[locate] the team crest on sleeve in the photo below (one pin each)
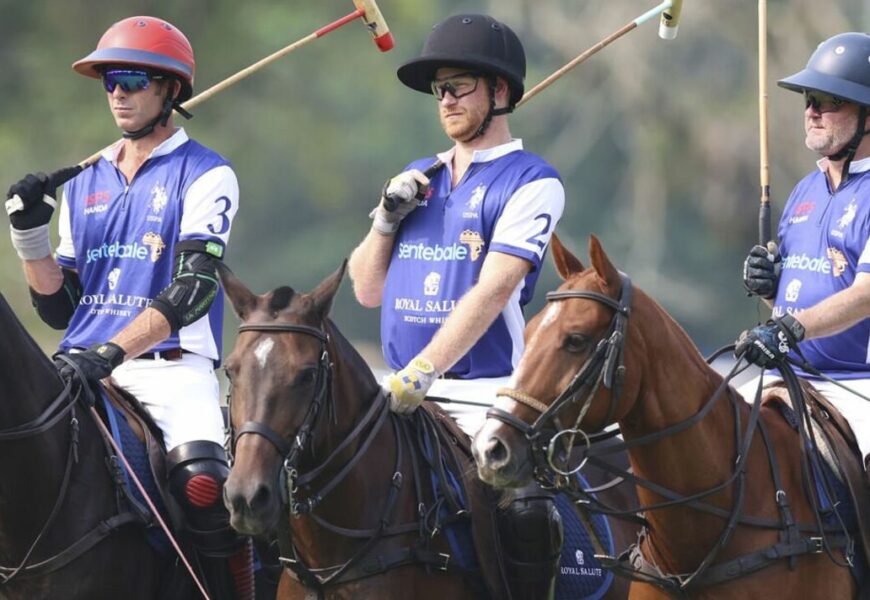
(474, 242)
(155, 242)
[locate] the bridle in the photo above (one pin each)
(292, 451)
(604, 366)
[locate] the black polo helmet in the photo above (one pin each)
(840, 66)
(476, 42)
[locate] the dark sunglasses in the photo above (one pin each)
(130, 80)
(822, 102)
(458, 85)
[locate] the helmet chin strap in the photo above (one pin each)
(493, 111)
(848, 151)
(169, 104)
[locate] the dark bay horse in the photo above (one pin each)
(602, 351)
(320, 460)
(61, 535)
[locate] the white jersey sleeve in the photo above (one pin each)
(210, 204)
(529, 218)
(66, 251)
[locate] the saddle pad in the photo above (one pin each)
(134, 451)
(581, 576)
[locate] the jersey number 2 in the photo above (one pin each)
(547, 219)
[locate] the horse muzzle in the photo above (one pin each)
(502, 456)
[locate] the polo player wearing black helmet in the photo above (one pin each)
(457, 258)
(818, 282)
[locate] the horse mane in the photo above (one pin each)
(19, 350)
(281, 298)
(351, 356)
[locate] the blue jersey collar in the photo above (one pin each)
(167, 146)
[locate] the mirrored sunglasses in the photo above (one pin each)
(130, 80)
(822, 102)
(458, 85)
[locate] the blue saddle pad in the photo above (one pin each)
(136, 455)
(581, 576)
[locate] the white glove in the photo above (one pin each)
(407, 388)
(401, 195)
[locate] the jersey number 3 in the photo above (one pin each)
(224, 224)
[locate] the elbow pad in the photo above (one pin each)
(194, 283)
(57, 309)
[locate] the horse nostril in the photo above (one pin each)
(261, 498)
(496, 453)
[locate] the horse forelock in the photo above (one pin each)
(281, 298)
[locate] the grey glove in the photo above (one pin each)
(401, 195)
(761, 271)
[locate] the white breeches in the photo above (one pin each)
(181, 395)
(855, 410)
(470, 418)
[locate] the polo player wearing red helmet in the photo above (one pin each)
(133, 281)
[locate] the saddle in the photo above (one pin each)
(147, 431)
(482, 500)
(840, 447)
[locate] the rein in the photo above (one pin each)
(606, 366)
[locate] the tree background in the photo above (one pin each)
(657, 141)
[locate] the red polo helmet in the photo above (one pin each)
(144, 42)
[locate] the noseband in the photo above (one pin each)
(292, 451)
(604, 366)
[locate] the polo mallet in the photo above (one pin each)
(366, 10)
(670, 11)
(764, 232)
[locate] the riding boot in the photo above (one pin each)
(530, 530)
(197, 472)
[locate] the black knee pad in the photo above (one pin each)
(197, 472)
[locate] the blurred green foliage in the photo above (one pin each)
(657, 141)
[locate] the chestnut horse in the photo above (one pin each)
(62, 533)
(721, 481)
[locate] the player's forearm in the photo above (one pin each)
(368, 266)
(43, 275)
(146, 331)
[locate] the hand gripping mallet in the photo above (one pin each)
(366, 10)
(670, 11)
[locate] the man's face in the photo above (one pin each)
(134, 101)
(461, 117)
(829, 122)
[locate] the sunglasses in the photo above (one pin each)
(458, 85)
(130, 80)
(821, 102)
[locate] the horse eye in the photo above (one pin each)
(306, 377)
(576, 342)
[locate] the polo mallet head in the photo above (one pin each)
(670, 20)
(376, 24)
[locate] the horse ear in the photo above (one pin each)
(242, 299)
(602, 265)
(323, 294)
(566, 263)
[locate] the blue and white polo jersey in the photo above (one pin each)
(121, 238)
(508, 201)
(824, 244)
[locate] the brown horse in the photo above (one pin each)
(702, 458)
(319, 457)
(62, 534)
